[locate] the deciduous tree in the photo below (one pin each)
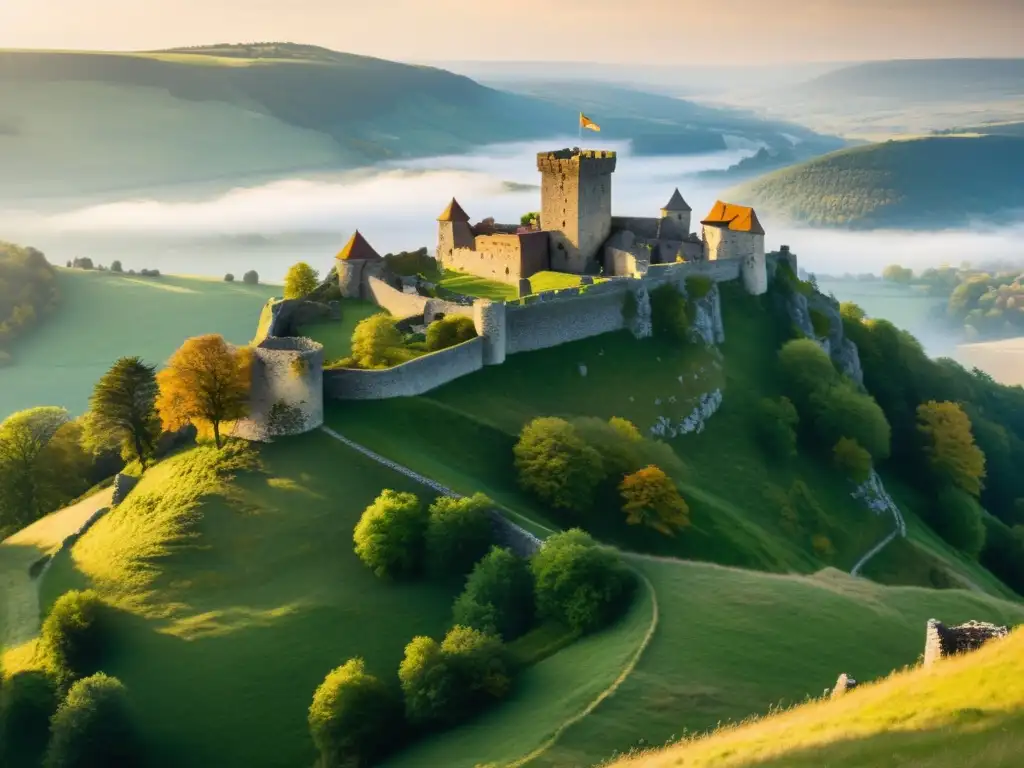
(556, 464)
(949, 445)
(94, 727)
(651, 498)
(122, 409)
(374, 341)
(300, 281)
(206, 382)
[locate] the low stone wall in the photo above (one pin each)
(287, 395)
(408, 379)
(942, 641)
(720, 271)
(284, 317)
(558, 317)
(401, 304)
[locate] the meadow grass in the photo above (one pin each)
(731, 644)
(964, 712)
(234, 599)
(336, 335)
(103, 316)
(483, 288)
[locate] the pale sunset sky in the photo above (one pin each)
(633, 31)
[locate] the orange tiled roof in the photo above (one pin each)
(453, 212)
(738, 218)
(358, 248)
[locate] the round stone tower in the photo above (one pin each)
(351, 264)
(489, 318)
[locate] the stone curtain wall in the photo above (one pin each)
(401, 304)
(557, 317)
(287, 396)
(720, 271)
(408, 379)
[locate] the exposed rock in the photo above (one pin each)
(843, 684)
(123, 485)
(843, 352)
(707, 322)
(707, 405)
(942, 641)
(640, 326)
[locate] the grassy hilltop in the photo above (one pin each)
(102, 315)
(927, 183)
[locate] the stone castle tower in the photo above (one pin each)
(453, 231)
(675, 218)
(576, 205)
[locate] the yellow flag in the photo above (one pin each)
(586, 122)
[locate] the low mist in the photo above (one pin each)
(270, 226)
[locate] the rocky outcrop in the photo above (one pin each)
(707, 405)
(942, 641)
(640, 326)
(123, 485)
(843, 352)
(708, 327)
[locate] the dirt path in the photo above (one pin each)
(19, 593)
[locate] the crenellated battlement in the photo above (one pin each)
(575, 160)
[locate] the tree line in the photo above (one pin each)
(28, 293)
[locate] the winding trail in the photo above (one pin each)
(875, 484)
(603, 695)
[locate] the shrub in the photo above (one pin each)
(115, 266)
(447, 683)
(581, 585)
(805, 369)
(851, 459)
(300, 281)
(698, 286)
(820, 323)
(27, 702)
(374, 342)
(623, 449)
(252, 277)
(669, 313)
(229, 278)
(823, 546)
(557, 465)
(449, 331)
(841, 411)
(459, 533)
(651, 498)
(498, 598)
(352, 717)
(775, 425)
(73, 636)
(958, 519)
(389, 535)
(94, 727)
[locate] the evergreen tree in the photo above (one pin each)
(122, 409)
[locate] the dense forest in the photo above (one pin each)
(985, 304)
(28, 292)
(931, 183)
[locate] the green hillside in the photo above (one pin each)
(966, 711)
(926, 183)
(102, 316)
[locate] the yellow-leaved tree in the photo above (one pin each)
(651, 498)
(206, 382)
(949, 445)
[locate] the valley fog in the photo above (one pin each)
(269, 226)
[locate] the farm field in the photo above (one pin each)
(104, 316)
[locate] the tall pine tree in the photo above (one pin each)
(122, 409)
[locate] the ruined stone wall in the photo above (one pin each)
(287, 390)
(398, 303)
(942, 641)
(677, 272)
(556, 317)
(496, 257)
(408, 379)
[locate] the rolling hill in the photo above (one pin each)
(926, 183)
(89, 122)
(965, 711)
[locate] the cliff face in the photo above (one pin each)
(842, 350)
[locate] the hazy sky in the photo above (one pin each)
(637, 31)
